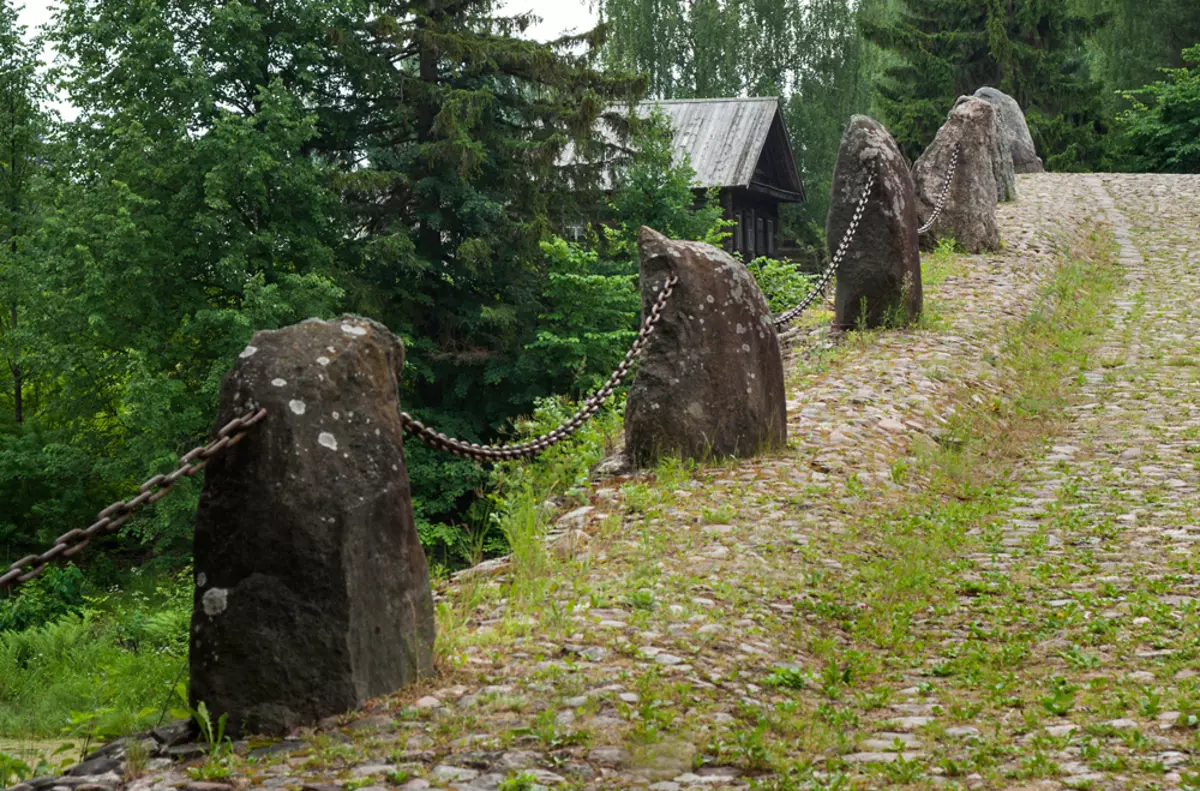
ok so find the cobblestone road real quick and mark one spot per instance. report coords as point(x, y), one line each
point(860, 612)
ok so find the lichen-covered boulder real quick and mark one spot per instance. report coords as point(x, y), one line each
point(710, 381)
point(969, 213)
point(1016, 130)
point(881, 271)
point(1001, 157)
point(312, 591)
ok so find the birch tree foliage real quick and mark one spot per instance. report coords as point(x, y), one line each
point(806, 52)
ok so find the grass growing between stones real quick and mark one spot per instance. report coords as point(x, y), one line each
point(905, 564)
point(966, 477)
point(940, 264)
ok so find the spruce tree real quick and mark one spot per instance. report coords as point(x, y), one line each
point(467, 128)
point(1031, 49)
point(464, 128)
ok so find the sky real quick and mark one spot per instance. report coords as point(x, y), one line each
point(558, 16)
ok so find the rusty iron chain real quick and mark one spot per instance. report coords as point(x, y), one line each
point(945, 193)
point(110, 519)
point(787, 317)
point(476, 452)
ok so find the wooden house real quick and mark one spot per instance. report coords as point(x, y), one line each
point(741, 147)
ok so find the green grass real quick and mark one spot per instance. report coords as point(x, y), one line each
point(920, 543)
point(937, 266)
point(517, 514)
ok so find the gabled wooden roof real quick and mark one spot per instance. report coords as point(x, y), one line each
point(726, 140)
point(731, 142)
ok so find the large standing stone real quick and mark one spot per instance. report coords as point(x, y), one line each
point(882, 266)
point(969, 213)
point(1016, 131)
point(312, 592)
point(1001, 156)
point(710, 382)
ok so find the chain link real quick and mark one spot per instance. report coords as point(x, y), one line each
point(941, 200)
point(786, 318)
point(110, 519)
point(475, 452)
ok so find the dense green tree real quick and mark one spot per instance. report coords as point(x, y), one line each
point(463, 140)
point(1141, 37)
point(830, 84)
point(1031, 49)
point(23, 126)
point(41, 473)
point(190, 210)
point(467, 131)
point(1162, 128)
point(685, 49)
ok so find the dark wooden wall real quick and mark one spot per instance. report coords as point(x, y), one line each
point(757, 231)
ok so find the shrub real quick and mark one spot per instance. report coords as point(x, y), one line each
point(102, 671)
point(1162, 129)
point(58, 591)
point(782, 284)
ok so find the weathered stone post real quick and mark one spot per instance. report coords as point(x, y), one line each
point(1001, 155)
point(312, 592)
point(1014, 130)
point(882, 266)
point(710, 382)
point(969, 213)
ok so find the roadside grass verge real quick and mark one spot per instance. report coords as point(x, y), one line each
point(902, 562)
point(907, 557)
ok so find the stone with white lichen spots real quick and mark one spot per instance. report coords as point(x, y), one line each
point(882, 266)
point(710, 382)
point(312, 588)
point(969, 213)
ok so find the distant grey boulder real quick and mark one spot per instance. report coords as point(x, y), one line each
point(969, 212)
point(1001, 156)
point(1016, 130)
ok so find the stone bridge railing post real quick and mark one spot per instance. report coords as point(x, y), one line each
point(879, 280)
point(312, 591)
point(980, 178)
point(710, 382)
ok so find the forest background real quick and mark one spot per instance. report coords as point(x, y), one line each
point(242, 165)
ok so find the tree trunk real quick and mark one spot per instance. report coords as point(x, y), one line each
point(15, 366)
